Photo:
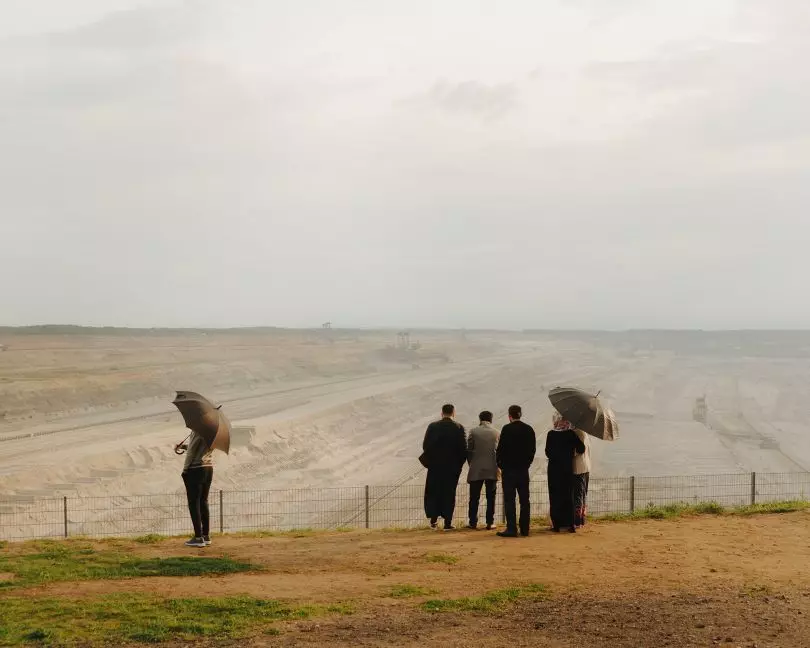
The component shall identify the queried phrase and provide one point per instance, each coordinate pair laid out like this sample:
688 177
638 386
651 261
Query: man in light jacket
481 445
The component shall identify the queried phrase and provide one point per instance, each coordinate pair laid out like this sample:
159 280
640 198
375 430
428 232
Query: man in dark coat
444 454
515 454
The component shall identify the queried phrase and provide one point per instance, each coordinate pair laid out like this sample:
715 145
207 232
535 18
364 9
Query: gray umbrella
203 417
584 411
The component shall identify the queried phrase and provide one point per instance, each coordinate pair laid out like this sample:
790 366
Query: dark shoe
195 542
490 527
472 527
434 523
449 527
524 535
207 540
555 529
507 534
573 529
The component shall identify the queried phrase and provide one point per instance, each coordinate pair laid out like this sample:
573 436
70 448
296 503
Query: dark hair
485 416
448 410
515 412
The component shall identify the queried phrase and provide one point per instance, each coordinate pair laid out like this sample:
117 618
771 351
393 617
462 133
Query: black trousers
198 484
516 482
475 498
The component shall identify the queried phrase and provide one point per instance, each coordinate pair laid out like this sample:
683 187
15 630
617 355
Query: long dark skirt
580 498
440 494
560 495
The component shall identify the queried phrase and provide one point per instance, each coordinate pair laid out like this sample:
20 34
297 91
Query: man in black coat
444 454
515 455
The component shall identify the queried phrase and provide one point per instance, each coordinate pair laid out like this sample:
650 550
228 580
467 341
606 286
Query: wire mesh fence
388 506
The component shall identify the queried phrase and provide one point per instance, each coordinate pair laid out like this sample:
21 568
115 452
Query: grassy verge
409 591
45 562
652 512
489 602
131 618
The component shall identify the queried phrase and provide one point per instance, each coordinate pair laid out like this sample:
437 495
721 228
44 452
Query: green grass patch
409 591
442 559
150 539
292 533
489 602
49 562
133 618
788 506
653 512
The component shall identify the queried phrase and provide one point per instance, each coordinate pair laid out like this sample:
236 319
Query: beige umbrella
585 412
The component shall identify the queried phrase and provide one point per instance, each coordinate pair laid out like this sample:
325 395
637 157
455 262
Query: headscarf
560 424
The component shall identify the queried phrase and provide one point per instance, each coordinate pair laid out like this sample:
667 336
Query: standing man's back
481 447
444 454
516 449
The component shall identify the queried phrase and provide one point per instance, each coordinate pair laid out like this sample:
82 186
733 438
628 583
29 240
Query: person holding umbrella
582 472
210 430
577 415
561 444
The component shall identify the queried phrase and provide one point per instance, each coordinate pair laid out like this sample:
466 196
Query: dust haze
457 187
554 164
89 412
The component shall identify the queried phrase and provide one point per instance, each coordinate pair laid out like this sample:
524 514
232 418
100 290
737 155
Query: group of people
492 456
506 456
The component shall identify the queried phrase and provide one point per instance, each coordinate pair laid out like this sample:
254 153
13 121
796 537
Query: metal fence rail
397 505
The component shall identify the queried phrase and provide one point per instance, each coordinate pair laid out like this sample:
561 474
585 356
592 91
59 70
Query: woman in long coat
562 444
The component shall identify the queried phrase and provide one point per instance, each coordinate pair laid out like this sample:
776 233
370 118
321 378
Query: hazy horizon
558 164
394 328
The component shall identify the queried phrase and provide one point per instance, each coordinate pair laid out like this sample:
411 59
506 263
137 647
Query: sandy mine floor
329 409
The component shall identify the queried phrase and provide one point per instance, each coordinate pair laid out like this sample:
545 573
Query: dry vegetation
693 580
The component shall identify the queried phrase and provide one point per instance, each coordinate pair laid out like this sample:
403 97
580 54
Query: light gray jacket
481 444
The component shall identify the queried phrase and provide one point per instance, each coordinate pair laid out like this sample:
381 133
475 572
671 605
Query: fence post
632 493
64 509
753 488
367 506
221 513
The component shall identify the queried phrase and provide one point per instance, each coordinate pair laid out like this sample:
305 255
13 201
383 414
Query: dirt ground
734 581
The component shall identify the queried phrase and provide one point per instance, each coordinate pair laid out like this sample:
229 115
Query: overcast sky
460 163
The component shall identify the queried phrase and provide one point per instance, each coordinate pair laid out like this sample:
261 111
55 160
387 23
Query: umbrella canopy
205 419
584 411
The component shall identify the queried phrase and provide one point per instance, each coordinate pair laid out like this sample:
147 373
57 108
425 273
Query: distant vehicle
699 410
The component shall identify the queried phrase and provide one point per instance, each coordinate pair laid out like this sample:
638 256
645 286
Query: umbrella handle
179 449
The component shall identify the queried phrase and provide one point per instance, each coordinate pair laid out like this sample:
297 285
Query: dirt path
687 582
